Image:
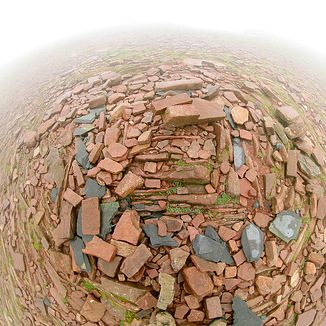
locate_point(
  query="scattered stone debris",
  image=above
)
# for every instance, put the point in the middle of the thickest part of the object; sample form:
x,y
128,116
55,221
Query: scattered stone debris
x,y
173,189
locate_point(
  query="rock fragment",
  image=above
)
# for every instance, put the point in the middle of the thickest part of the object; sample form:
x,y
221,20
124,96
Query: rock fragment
x,y
133,263
127,228
167,290
286,225
101,249
91,216
129,184
252,241
243,316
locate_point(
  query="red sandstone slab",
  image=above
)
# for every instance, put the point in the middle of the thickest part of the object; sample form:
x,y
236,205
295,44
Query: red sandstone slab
x,y
182,84
180,115
209,111
127,228
133,263
100,249
91,216
71,197
128,184
159,106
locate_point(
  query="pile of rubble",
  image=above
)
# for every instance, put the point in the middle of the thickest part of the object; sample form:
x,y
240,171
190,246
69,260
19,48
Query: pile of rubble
x,y
169,197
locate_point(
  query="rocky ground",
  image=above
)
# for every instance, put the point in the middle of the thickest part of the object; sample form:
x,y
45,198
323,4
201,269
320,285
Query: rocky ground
x,y
181,184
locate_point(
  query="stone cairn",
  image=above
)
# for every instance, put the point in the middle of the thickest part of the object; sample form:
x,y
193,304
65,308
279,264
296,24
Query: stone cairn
x,y
171,197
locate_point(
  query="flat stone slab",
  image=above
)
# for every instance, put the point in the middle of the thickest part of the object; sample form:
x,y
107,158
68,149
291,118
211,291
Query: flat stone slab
x,y
159,106
127,290
81,259
287,114
252,241
243,316
100,249
89,118
79,228
108,212
183,84
239,156
193,174
180,115
82,131
129,184
82,157
210,249
286,225
205,200
209,111
307,166
93,189
133,263
151,231
128,228
91,216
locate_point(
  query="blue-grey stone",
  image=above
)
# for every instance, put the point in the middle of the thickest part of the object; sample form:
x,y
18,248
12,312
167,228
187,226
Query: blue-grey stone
x,y
54,194
307,166
151,231
156,214
81,131
239,156
82,157
256,204
229,117
140,206
242,315
47,302
81,259
79,228
211,233
98,110
252,241
209,249
286,225
93,189
108,212
89,118
279,146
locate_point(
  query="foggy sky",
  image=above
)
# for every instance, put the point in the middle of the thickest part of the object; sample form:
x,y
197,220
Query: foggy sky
x,y
27,26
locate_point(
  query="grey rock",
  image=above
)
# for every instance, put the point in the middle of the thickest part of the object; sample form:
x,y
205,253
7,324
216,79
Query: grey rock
x,y
108,212
209,249
89,118
151,231
307,166
211,233
212,91
47,302
286,225
252,241
239,156
229,117
81,259
82,157
243,316
280,132
56,167
93,189
54,194
79,228
81,131
98,110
